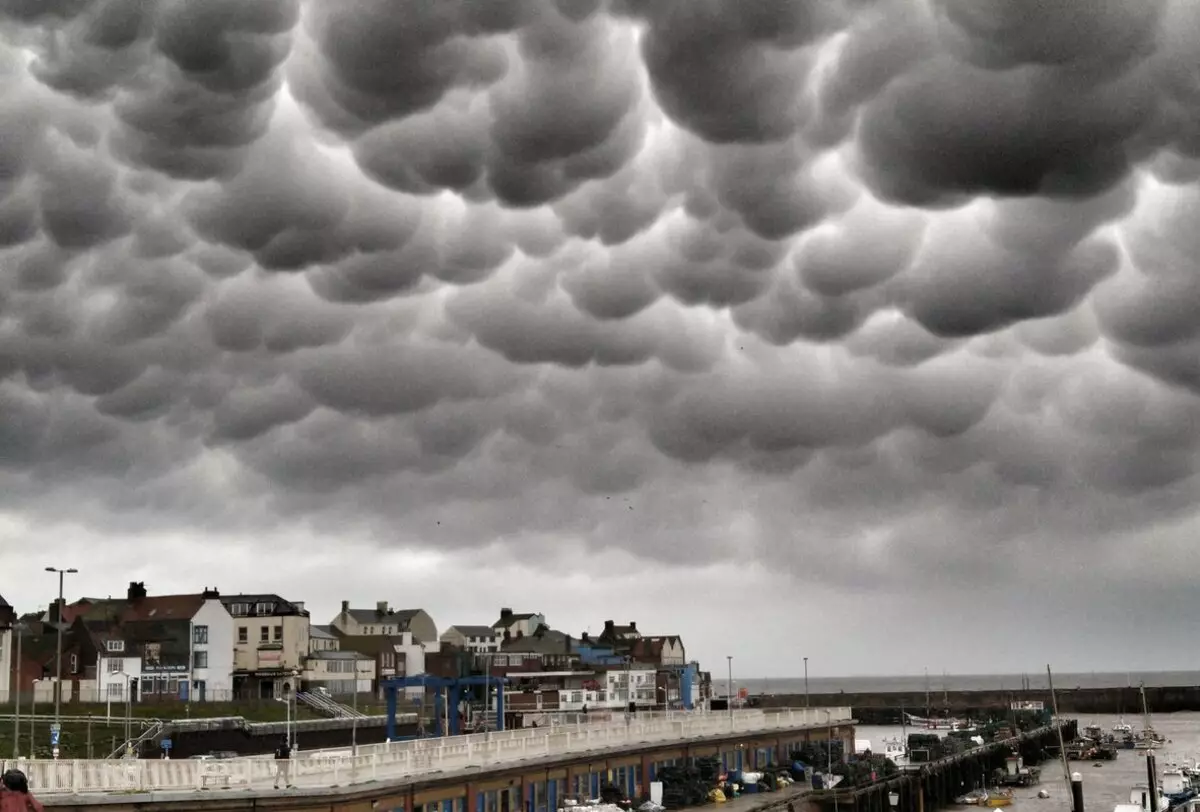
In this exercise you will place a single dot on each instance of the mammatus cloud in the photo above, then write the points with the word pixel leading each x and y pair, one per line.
pixel 902 291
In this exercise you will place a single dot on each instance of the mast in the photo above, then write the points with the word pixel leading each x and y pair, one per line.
pixel 1062 747
pixel 928 711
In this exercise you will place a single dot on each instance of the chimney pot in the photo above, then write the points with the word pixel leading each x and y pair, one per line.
pixel 345 606
pixel 633 625
pixel 381 607
pixel 608 624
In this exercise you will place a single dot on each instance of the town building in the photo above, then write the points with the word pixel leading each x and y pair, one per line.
pixel 271 643
pixel 8 619
pixel 518 624
pixel 408 634
pixel 184 643
pixel 386 621
pixel 338 673
pixel 475 639
pixel 322 638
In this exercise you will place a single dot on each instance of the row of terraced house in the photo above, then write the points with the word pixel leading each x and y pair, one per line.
pixel 212 647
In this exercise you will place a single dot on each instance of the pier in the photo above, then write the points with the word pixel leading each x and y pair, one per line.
pixel 937 783
pixel 884 707
pixel 533 769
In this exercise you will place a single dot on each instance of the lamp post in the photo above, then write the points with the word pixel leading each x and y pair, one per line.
pixel 729 691
pixel 62 572
pixel 19 630
pixel 806 682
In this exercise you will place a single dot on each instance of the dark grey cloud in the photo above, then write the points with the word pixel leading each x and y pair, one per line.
pixel 846 292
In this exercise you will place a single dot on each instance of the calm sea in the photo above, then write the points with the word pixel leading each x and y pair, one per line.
pixel 962 682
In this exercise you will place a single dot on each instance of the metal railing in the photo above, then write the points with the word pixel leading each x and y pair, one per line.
pixel 404 759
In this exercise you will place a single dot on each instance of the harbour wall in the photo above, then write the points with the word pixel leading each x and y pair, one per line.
pixel 885 707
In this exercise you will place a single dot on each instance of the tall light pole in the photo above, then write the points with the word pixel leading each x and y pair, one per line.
pixel 19 630
pixel 729 692
pixel 58 650
pixel 806 682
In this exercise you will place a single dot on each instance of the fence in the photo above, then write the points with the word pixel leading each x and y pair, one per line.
pixel 399 760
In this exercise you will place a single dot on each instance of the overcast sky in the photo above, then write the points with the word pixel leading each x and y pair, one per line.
pixel 862 331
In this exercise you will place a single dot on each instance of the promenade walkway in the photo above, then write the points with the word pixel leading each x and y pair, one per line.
pixel 397 761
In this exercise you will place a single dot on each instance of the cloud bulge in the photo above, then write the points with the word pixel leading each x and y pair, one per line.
pixel 789 304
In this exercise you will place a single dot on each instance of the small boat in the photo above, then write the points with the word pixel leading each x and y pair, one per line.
pixel 998 799
pixel 894 750
pixel 1122 728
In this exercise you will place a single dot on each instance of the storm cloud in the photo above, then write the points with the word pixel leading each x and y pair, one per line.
pixel 902 292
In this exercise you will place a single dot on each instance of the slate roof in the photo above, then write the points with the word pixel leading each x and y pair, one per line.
pixel 280 606
pixel 550 642
pixel 322 632
pixel 475 631
pixel 505 622
pixel 402 617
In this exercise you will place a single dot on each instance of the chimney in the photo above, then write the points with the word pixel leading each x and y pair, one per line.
pixel 136 591
pixel 585 638
pixel 345 607
pixel 381 608
pixel 609 625
pixel 505 613
pixel 299 605
pixel 520 633
pixel 632 626
pixel 209 594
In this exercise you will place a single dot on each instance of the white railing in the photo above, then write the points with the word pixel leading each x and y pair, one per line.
pixel 402 759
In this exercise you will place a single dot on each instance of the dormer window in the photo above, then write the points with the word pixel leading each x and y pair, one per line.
pixel 239 609
pixel 114 646
pixel 263 608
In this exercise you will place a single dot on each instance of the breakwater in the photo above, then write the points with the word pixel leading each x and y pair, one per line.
pixel 885 707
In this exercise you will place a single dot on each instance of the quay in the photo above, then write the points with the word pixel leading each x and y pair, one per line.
pixel 937 783
pixel 523 770
pixel 885 707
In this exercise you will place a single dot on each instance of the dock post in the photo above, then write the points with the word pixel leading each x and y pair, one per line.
pixel 1077 792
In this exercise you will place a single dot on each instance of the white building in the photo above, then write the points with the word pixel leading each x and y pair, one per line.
pixel 476 639
pixel 212 650
pixel 608 689
pixel 118 668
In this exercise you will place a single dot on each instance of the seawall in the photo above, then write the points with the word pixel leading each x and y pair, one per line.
pixel 884 708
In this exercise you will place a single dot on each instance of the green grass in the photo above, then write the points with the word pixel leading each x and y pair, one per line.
pixel 73 740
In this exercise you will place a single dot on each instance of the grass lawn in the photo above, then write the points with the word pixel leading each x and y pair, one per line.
pixel 251 710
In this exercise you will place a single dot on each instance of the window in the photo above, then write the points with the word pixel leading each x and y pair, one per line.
pixel 114 645
pixel 278 633
pixel 147 685
pixel 115 665
pixel 199 659
pixel 262 608
pixel 115 690
pixel 243 634
pixel 242 609
pixel 200 635
pixel 264 634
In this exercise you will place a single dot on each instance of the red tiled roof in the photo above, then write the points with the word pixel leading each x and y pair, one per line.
pixel 154 607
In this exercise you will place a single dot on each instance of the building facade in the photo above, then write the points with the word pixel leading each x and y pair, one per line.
pixel 383 620
pixel 523 624
pixel 338 673
pixel 475 639
pixel 8 619
pixel 271 641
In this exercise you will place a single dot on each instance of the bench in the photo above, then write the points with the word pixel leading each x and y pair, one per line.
pixel 213 772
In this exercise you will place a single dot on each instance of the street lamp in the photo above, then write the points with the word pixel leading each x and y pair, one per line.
pixel 19 630
pixel 729 692
pixel 62 572
pixel 806 682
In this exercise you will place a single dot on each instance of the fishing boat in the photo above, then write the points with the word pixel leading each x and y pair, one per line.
pixel 936 724
pixel 990 798
pixel 894 750
pixel 1122 727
